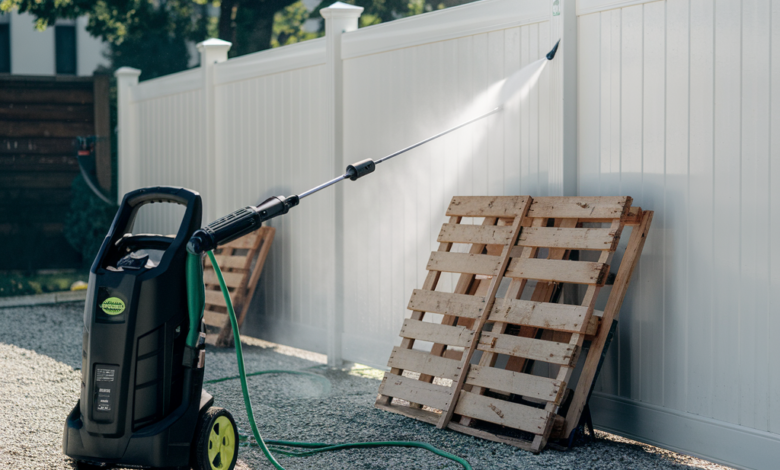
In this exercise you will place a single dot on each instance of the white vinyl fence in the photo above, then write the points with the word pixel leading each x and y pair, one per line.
pixel 672 102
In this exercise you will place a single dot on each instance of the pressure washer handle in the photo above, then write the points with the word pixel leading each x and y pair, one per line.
pixel 239 223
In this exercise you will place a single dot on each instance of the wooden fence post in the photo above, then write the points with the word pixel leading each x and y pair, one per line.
pixel 102 118
pixel 129 170
pixel 339 18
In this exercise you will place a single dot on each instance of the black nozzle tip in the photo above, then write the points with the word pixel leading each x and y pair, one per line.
pixel 193 246
pixel 552 52
pixel 200 242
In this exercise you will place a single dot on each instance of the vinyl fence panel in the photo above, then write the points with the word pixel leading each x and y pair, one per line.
pixel 675 110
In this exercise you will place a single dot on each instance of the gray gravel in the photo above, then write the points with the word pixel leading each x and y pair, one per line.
pixel 39 357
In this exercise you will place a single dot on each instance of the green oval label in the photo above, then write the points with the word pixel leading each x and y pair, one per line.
pixel 113 306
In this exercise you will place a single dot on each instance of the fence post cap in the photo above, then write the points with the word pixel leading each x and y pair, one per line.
pixel 214 43
pixel 127 72
pixel 341 10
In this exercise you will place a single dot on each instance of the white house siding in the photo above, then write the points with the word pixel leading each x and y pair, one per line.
pixel 33 51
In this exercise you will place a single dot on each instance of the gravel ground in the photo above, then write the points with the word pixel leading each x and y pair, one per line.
pixel 39 357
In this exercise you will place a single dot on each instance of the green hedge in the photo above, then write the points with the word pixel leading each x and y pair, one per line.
pixel 87 221
pixel 12 284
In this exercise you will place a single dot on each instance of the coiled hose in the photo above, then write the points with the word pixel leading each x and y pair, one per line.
pixel 195 284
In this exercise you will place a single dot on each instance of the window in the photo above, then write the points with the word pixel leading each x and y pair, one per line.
pixel 65 49
pixel 5 48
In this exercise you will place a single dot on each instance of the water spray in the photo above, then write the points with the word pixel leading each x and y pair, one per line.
pixel 249 219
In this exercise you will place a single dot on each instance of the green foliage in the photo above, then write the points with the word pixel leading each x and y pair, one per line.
pixel 288 26
pixel 87 221
pixel 380 11
pixel 150 35
pixel 12 284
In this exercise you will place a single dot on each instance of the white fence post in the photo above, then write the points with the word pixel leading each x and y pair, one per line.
pixel 212 51
pixel 339 18
pixel 563 115
pixel 128 164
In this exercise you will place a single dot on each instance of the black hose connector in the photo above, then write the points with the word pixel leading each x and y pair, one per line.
pixel 551 54
pixel 360 169
pixel 239 223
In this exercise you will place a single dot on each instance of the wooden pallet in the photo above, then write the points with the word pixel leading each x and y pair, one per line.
pixel 507 403
pixel 452 340
pixel 552 333
pixel 241 262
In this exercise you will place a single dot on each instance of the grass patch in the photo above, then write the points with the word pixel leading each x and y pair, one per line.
pixel 14 283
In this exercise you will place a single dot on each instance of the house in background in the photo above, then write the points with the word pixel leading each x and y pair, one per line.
pixel 49 96
pixel 63 49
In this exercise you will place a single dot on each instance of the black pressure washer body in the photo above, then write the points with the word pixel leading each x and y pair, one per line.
pixel 141 385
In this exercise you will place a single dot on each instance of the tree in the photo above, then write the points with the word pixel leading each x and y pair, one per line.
pixel 151 35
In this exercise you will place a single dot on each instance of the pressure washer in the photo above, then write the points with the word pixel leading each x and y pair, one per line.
pixel 142 402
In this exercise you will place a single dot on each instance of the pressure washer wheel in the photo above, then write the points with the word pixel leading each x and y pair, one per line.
pixel 215 445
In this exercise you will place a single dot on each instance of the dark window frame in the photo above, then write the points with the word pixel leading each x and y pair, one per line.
pixel 5 48
pixel 65 50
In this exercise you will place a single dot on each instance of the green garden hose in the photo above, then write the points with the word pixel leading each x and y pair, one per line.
pixel 313 447
pixel 196 297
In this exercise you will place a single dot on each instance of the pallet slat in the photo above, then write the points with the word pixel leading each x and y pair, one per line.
pixel 574 272
pixel 486 206
pixel 214 297
pixel 526 385
pixel 416 391
pixel 231 279
pixel 525 418
pixel 233 262
pixel 529 348
pixel 436 333
pixel 458 305
pixel 482 434
pixel 569 238
pixel 577 207
pixel 418 361
pixel 419 414
pixel 214 318
pixel 559 317
pixel 464 263
pixel 482 234
pixel 246 242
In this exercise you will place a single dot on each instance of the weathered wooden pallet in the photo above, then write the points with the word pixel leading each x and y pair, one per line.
pixel 507 403
pixel 553 333
pixel 241 262
pixel 414 393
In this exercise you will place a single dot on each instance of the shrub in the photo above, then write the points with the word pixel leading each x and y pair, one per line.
pixel 87 221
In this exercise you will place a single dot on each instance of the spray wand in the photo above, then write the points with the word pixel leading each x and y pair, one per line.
pixel 249 219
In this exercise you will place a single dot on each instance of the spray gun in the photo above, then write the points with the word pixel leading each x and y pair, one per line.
pixel 249 219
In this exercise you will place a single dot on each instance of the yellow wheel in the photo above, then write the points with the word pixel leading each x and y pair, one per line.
pixel 216 441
